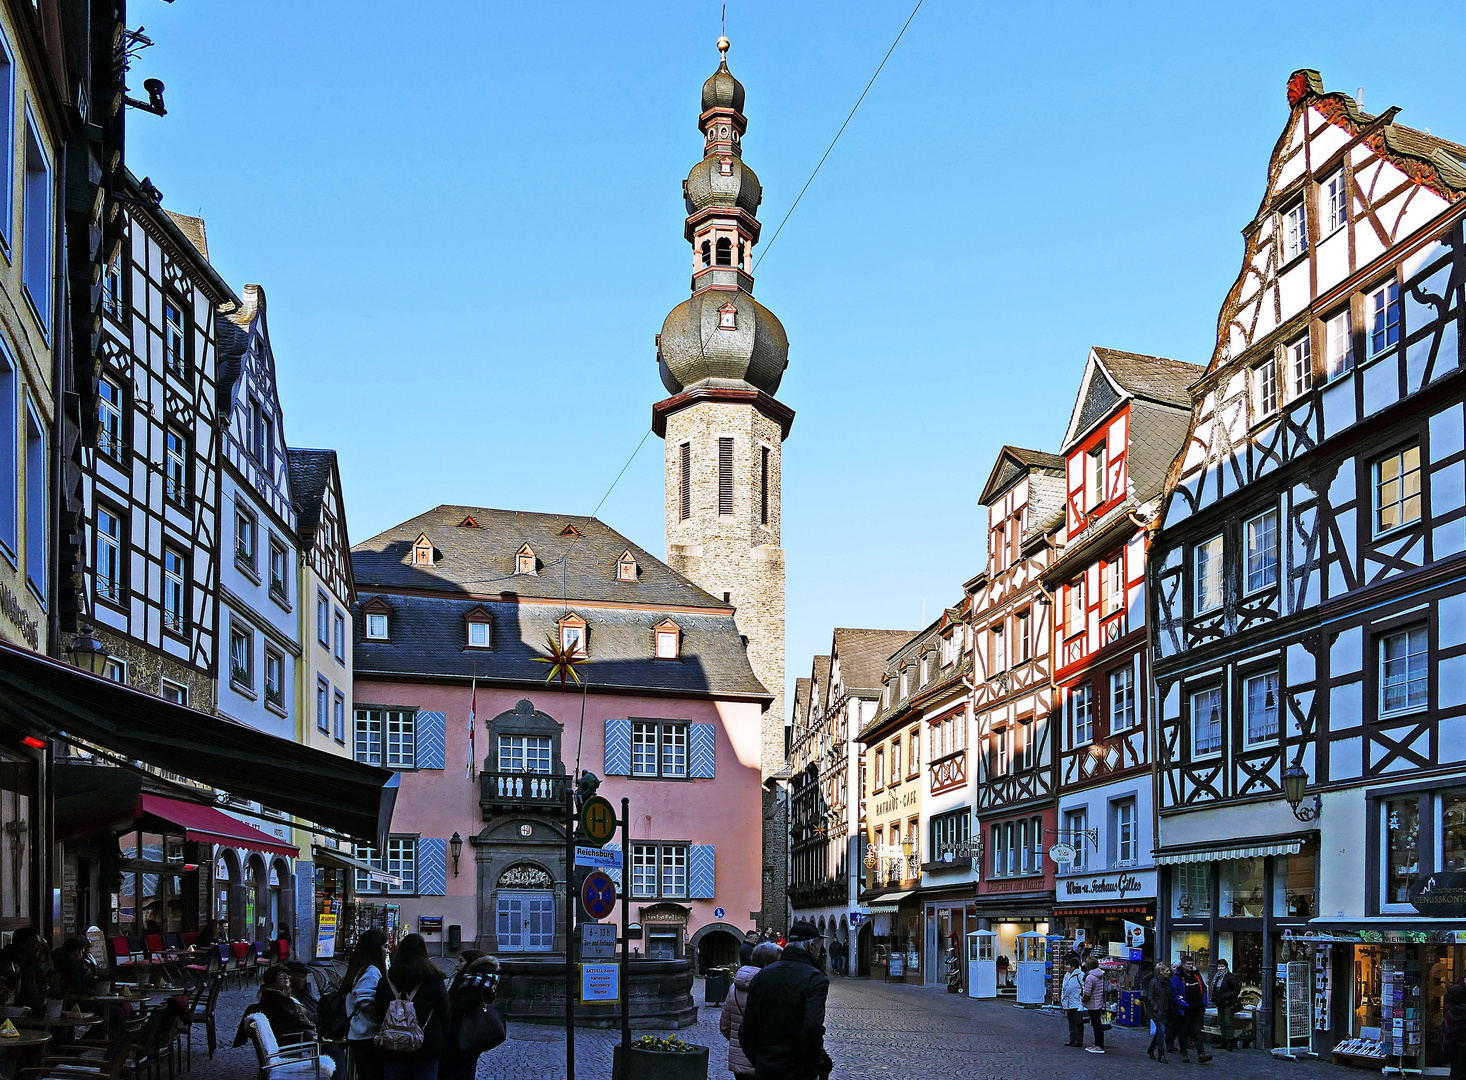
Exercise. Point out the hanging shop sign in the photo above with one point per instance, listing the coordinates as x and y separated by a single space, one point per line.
525 876
1063 854
1441 896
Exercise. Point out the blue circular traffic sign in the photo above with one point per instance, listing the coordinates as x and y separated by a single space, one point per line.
718 913
598 894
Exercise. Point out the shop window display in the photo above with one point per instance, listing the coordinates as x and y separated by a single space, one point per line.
1194 943
1402 849
1242 888
17 788
1453 830
1191 890
1396 1004
1295 881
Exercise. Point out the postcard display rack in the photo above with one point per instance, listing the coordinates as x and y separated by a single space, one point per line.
1390 1008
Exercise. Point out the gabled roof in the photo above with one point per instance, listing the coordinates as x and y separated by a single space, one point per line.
481 561
310 472
800 715
819 679
1013 462
1112 377
863 655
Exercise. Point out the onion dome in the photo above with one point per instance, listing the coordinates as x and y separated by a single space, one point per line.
724 339
722 90
723 180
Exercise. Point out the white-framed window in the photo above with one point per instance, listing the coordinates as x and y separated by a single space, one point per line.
659 871
1260 699
1122 823
109 417
386 737
109 555
1025 849
274 678
323 706
1404 670
175 465
1097 475
245 538
1339 344
1022 638
668 643
115 670
1122 699
7 140
37 501
1207 574
478 633
35 225
241 656
659 749
1384 318
1113 571
524 753
338 628
1027 755
175 692
401 861
1397 489
998 654
1081 715
376 626
1206 722
323 618
1295 231
9 403
572 635
1076 826
1299 357
1262 550
175 591
896 762
279 583
1265 389
1076 619
338 717
175 354
112 286
1333 203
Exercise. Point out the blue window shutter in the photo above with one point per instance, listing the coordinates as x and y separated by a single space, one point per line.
701 877
432 730
702 741
617 761
616 873
432 866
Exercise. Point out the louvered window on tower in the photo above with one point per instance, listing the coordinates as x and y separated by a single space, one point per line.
684 482
725 251
763 485
725 476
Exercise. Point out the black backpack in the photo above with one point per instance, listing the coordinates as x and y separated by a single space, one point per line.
332 1019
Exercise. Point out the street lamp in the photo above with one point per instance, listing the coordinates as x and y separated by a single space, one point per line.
1295 781
87 652
455 845
908 846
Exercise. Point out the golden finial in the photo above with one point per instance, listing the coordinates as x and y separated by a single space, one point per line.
723 42
723 45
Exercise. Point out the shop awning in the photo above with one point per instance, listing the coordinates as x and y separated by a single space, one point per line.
1102 909
1244 850
340 861
48 697
889 902
213 826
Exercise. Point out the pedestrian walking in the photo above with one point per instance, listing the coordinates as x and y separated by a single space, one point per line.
474 1025
1188 995
783 1029
1453 1030
1157 1000
1226 989
364 970
764 954
745 951
412 1035
837 956
1092 998
1071 993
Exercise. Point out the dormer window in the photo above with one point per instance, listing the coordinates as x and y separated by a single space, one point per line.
725 165
422 551
626 568
727 317
524 561
376 612
468 523
570 530
572 634
476 628
669 640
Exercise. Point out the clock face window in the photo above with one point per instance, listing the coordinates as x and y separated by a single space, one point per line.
728 317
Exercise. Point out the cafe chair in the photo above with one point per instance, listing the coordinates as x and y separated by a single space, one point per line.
297 1061
205 1000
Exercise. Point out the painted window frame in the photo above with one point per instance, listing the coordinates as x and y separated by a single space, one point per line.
175 591
1260 679
1267 567
1204 555
1378 482
1407 634
1198 751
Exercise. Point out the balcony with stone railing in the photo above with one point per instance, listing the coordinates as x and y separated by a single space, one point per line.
506 791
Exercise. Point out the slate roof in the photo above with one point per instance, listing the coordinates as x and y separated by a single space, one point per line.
801 704
474 569
819 683
1013 460
1155 378
481 560
310 470
1156 437
863 655
193 228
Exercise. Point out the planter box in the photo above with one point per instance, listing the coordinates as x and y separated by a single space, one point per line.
660 1065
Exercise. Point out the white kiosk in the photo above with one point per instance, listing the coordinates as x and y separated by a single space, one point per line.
1032 979
982 964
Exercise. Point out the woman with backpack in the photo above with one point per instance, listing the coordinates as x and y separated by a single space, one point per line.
414 1009
364 971
474 1025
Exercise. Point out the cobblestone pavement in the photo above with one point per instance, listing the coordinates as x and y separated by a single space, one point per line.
875 1030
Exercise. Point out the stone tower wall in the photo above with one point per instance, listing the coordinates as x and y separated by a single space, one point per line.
734 553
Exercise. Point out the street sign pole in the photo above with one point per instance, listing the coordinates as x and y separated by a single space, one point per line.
570 987
625 932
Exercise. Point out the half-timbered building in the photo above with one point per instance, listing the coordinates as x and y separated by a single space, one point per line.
150 477
1127 425
1309 590
1010 614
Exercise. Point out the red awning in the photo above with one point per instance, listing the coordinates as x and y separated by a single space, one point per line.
1102 909
213 826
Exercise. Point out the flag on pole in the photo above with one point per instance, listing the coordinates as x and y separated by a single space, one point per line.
472 708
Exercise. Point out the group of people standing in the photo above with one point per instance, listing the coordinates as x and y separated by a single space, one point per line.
774 1015
1175 1000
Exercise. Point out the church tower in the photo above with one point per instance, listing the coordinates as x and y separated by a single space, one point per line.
721 355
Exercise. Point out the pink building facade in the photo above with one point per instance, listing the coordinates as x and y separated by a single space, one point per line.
464 600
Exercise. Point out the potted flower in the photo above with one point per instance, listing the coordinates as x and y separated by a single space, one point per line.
653 1058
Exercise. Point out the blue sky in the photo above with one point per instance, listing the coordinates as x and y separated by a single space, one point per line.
469 228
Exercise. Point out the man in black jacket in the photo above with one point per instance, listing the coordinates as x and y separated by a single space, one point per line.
783 1030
